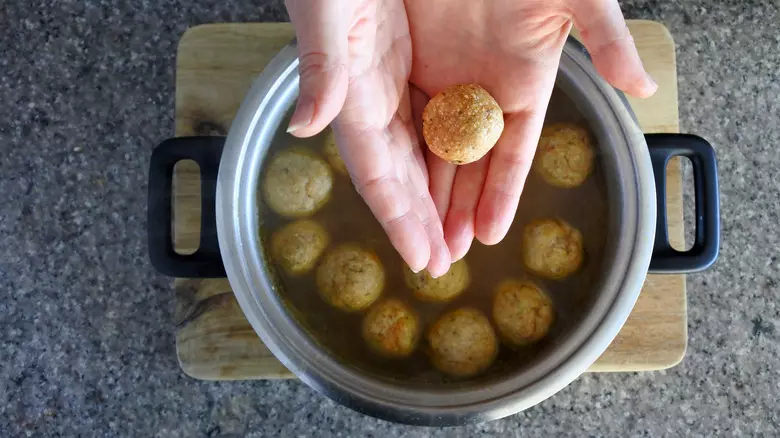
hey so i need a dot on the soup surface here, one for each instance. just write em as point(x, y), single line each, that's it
point(348, 220)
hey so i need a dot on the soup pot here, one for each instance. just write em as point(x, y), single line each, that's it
point(634, 166)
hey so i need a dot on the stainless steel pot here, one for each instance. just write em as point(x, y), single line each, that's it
point(634, 166)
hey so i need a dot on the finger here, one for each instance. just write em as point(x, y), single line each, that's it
point(419, 158)
point(393, 209)
point(371, 153)
point(404, 143)
point(376, 180)
point(418, 100)
point(441, 174)
point(322, 35)
point(459, 228)
point(439, 262)
point(413, 103)
point(607, 38)
point(510, 162)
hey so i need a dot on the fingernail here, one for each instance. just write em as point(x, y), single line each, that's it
point(304, 112)
point(652, 84)
point(652, 81)
point(438, 271)
point(463, 248)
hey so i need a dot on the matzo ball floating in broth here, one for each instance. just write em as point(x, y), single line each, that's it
point(297, 183)
point(350, 278)
point(391, 328)
point(462, 343)
point(564, 156)
point(444, 288)
point(297, 246)
point(522, 312)
point(332, 154)
point(462, 123)
point(552, 248)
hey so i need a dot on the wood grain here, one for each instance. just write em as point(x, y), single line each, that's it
point(216, 65)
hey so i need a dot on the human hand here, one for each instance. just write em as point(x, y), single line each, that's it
point(512, 49)
point(355, 61)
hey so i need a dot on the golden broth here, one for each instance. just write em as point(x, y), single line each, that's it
point(584, 207)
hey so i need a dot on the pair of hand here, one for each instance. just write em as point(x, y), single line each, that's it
point(370, 66)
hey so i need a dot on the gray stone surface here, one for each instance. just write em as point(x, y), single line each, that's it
point(87, 348)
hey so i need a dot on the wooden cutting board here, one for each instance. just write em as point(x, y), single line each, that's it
point(216, 65)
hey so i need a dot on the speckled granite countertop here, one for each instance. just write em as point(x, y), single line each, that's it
point(87, 347)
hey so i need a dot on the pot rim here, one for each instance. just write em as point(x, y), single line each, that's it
point(256, 122)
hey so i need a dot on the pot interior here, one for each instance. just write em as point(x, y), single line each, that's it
point(594, 208)
point(589, 312)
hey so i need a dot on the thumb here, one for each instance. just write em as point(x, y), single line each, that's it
point(321, 28)
point(607, 38)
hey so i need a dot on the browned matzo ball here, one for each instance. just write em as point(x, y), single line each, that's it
point(332, 154)
point(297, 246)
point(522, 312)
point(444, 288)
point(462, 123)
point(297, 183)
point(552, 248)
point(462, 343)
point(350, 278)
point(564, 157)
point(391, 328)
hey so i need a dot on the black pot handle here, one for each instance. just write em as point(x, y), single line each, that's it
point(665, 259)
point(206, 262)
